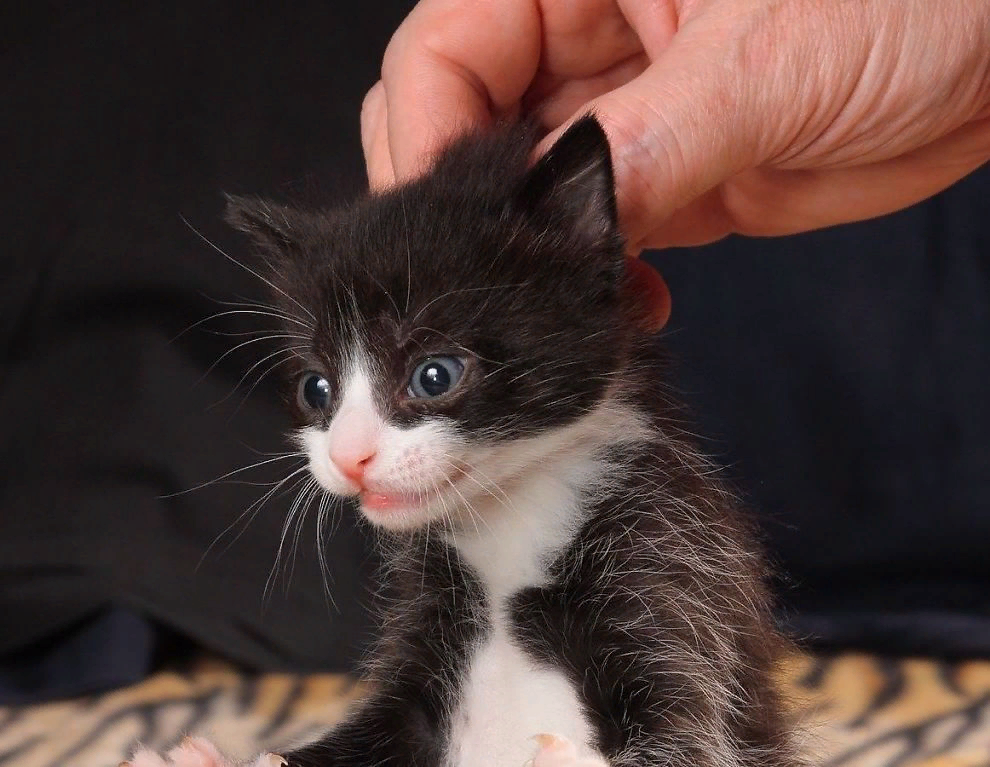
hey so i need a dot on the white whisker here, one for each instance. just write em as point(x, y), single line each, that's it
point(251, 512)
point(248, 269)
point(222, 477)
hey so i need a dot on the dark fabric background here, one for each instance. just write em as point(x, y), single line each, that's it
point(842, 375)
point(847, 374)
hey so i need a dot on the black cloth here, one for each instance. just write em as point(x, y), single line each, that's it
point(848, 374)
point(111, 648)
point(841, 374)
point(119, 119)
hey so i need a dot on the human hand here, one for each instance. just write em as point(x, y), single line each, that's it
point(762, 117)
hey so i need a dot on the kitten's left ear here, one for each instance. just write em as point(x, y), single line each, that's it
point(274, 228)
point(574, 179)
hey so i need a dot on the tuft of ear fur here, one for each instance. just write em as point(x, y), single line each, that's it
point(282, 234)
point(274, 228)
point(574, 181)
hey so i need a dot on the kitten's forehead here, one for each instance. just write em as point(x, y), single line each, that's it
point(449, 278)
point(403, 285)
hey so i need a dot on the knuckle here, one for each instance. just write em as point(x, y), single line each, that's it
point(390, 59)
point(647, 155)
point(395, 51)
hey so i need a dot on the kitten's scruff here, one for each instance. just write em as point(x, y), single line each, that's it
point(471, 370)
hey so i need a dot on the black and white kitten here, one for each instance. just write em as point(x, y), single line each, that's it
point(572, 584)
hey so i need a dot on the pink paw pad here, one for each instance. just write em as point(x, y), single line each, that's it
point(197, 752)
point(558, 751)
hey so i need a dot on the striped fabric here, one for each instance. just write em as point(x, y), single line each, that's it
point(854, 711)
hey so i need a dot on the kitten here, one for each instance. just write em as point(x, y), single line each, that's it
point(572, 583)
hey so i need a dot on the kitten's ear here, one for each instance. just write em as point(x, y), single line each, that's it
point(274, 228)
point(574, 180)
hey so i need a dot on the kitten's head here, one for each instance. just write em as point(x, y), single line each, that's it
point(457, 332)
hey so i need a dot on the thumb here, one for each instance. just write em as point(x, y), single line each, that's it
point(675, 132)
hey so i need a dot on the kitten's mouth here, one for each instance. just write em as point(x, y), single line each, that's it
point(395, 510)
point(405, 509)
point(386, 502)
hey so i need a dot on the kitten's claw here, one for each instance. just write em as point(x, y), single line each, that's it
point(558, 751)
point(198, 752)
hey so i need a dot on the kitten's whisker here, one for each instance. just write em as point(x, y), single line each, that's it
point(523, 374)
point(307, 482)
point(227, 353)
point(222, 477)
point(293, 522)
point(246, 268)
point(336, 301)
point(467, 507)
point(256, 508)
point(261, 378)
point(473, 515)
point(426, 550)
point(326, 504)
point(454, 343)
point(336, 505)
point(472, 470)
point(499, 367)
point(405, 231)
point(262, 306)
point(589, 337)
point(504, 501)
point(314, 490)
point(257, 332)
point(291, 350)
point(388, 295)
point(464, 290)
point(268, 454)
point(255, 304)
point(228, 313)
point(451, 523)
point(354, 306)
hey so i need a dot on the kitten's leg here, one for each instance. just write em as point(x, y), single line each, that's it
point(395, 728)
point(558, 751)
point(197, 752)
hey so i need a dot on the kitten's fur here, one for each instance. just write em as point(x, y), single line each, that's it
point(561, 558)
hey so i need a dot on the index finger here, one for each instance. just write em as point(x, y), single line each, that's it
point(454, 65)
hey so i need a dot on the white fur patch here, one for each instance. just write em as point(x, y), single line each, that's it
point(508, 699)
point(506, 702)
point(534, 495)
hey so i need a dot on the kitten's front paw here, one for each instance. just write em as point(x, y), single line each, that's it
point(197, 752)
point(558, 751)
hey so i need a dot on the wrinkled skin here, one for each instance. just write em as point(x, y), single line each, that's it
point(762, 117)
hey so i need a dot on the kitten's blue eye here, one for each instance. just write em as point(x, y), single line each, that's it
point(435, 376)
point(314, 391)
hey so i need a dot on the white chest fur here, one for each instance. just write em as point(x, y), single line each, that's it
point(507, 698)
point(506, 701)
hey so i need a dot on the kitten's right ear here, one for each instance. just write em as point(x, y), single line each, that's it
point(274, 228)
point(573, 181)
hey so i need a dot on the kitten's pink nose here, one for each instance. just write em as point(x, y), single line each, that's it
point(352, 460)
point(354, 439)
